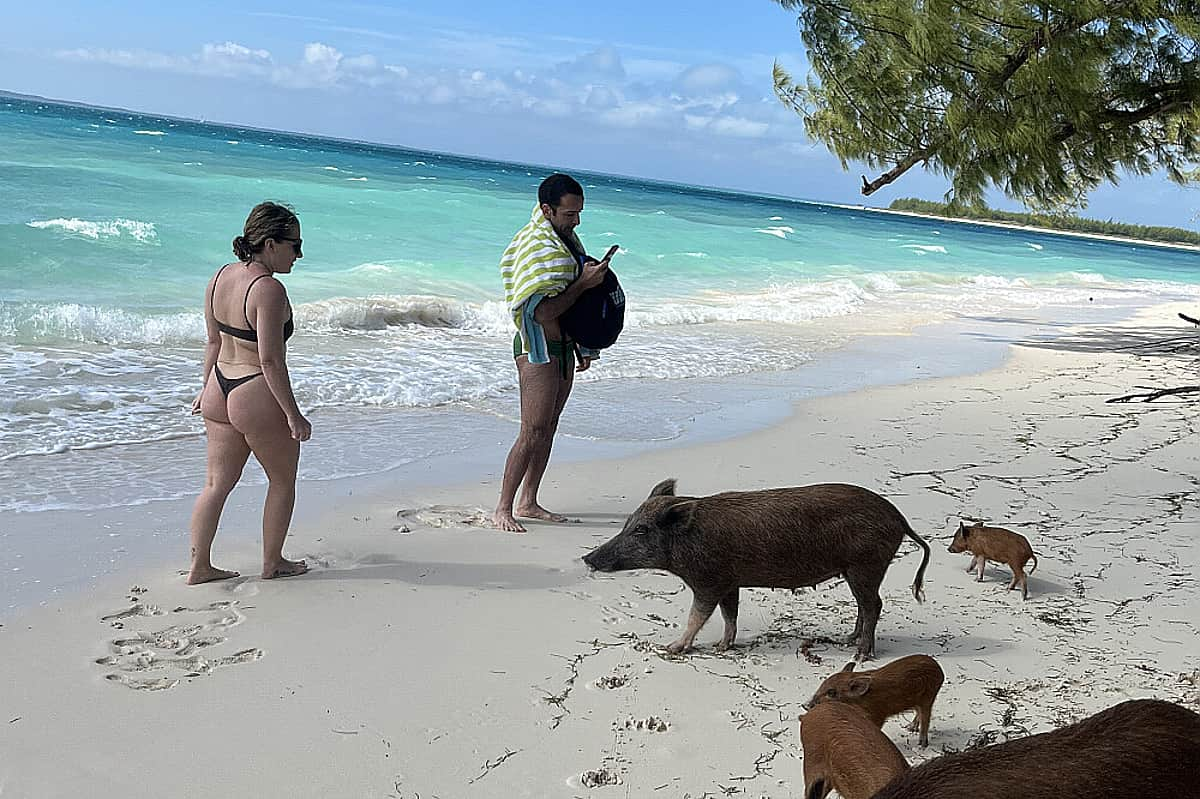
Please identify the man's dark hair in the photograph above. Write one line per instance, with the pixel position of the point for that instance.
(557, 186)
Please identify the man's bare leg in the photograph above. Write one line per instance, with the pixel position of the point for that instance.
(539, 398)
(528, 505)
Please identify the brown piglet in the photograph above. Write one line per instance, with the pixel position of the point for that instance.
(845, 752)
(999, 546)
(1145, 748)
(909, 683)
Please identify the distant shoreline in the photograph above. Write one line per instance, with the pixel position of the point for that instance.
(1013, 226)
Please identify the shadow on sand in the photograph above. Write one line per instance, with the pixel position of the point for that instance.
(465, 575)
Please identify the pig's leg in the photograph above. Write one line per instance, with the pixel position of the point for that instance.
(974, 563)
(702, 608)
(1013, 583)
(865, 588)
(982, 564)
(729, 610)
(921, 722)
(814, 774)
(856, 636)
(1024, 584)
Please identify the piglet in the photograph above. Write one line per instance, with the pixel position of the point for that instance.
(845, 751)
(998, 545)
(909, 683)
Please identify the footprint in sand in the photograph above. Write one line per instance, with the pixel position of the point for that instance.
(595, 778)
(136, 610)
(612, 681)
(442, 516)
(648, 724)
(611, 615)
(158, 659)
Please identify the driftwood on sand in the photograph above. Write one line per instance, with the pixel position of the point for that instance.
(1172, 346)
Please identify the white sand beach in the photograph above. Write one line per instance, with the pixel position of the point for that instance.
(428, 656)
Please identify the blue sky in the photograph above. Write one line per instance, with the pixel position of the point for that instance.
(670, 90)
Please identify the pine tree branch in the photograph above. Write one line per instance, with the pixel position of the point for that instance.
(1127, 118)
(869, 187)
(1040, 40)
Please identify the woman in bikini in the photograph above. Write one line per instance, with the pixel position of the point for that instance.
(247, 400)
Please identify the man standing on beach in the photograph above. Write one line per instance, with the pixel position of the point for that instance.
(545, 270)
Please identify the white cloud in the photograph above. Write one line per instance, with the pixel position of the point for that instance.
(707, 99)
(738, 126)
(441, 95)
(601, 98)
(134, 59)
(232, 51)
(600, 65)
(705, 79)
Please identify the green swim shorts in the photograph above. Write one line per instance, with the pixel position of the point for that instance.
(563, 350)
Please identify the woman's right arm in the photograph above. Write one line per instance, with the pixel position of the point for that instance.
(268, 299)
(212, 344)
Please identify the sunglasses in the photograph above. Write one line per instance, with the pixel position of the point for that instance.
(294, 242)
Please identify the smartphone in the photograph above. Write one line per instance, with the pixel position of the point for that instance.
(611, 252)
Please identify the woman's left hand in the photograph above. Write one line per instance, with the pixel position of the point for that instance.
(196, 404)
(584, 364)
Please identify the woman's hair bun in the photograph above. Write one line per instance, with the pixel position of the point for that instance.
(241, 248)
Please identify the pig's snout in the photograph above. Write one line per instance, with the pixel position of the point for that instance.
(598, 560)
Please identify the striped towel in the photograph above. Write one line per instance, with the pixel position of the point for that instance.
(536, 262)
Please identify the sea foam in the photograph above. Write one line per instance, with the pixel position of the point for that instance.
(104, 229)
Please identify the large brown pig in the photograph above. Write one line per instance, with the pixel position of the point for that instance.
(845, 751)
(1145, 748)
(776, 538)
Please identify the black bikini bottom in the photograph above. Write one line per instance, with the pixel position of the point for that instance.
(227, 385)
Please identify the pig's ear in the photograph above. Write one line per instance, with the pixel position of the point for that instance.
(664, 489)
(677, 517)
(849, 666)
(858, 686)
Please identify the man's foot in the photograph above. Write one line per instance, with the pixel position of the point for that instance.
(505, 521)
(208, 574)
(285, 568)
(538, 512)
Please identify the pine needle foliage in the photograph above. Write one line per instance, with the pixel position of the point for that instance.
(1040, 101)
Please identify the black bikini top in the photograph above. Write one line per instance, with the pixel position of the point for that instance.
(247, 333)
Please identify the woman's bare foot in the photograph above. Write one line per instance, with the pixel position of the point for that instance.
(502, 520)
(285, 568)
(208, 574)
(538, 512)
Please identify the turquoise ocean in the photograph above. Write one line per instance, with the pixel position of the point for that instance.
(111, 223)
